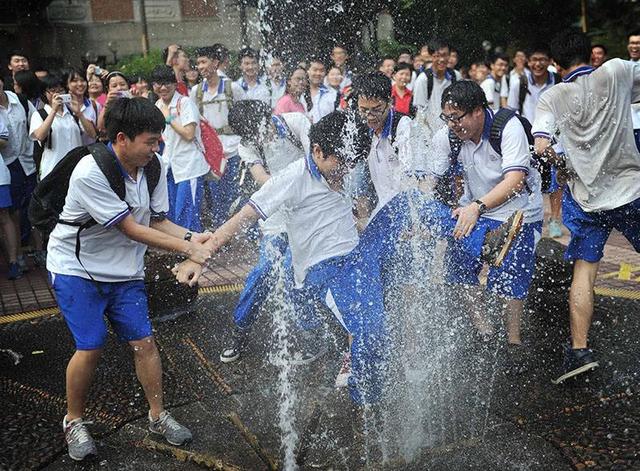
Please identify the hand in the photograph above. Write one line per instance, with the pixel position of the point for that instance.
(56, 103)
(467, 219)
(113, 95)
(550, 155)
(91, 71)
(171, 52)
(187, 272)
(75, 106)
(201, 238)
(197, 252)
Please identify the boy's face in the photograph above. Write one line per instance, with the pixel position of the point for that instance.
(331, 167)
(499, 68)
(165, 90)
(249, 67)
(404, 57)
(316, 73)
(140, 150)
(597, 56)
(538, 64)
(374, 111)
(207, 66)
(465, 125)
(440, 59)
(634, 47)
(18, 63)
(339, 56)
(387, 67)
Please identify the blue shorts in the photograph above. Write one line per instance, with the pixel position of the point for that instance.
(590, 231)
(185, 200)
(84, 303)
(511, 279)
(5, 196)
(553, 185)
(22, 185)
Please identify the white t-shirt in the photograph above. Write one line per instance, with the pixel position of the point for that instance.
(531, 98)
(89, 112)
(279, 153)
(5, 175)
(484, 169)
(591, 115)
(185, 158)
(493, 90)
(429, 110)
(243, 91)
(320, 222)
(323, 103)
(277, 89)
(215, 110)
(65, 136)
(105, 251)
(20, 146)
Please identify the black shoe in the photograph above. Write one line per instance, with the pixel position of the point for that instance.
(576, 362)
(498, 241)
(238, 344)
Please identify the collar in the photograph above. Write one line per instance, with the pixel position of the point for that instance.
(12, 98)
(205, 85)
(584, 70)
(122, 170)
(550, 78)
(407, 92)
(245, 85)
(312, 167)
(447, 74)
(277, 122)
(488, 122)
(386, 130)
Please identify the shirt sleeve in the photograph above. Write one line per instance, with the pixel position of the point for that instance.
(544, 125)
(487, 87)
(36, 122)
(504, 87)
(514, 93)
(277, 191)
(420, 91)
(249, 154)
(160, 198)
(188, 112)
(4, 130)
(299, 125)
(438, 154)
(515, 148)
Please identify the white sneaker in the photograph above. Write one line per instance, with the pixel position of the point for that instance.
(78, 438)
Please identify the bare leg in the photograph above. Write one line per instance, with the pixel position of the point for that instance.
(555, 201)
(9, 232)
(513, 320)
(80, 371)
(581, 301)
(474, 303)
(149, 372)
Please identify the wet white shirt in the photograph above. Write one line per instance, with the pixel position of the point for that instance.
(279, 153)
(591, 115)
(105, 251)
(216, 112)
(320, 222)
(20, 145)
(258, 91)
(323, 103)
(494, 90)
(185, 158)
(531, 98)
(65, 136)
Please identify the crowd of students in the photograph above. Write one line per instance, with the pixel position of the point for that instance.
(328, 160)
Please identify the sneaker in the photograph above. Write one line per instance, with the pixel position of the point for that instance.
(14, 271)
(555, 230)
(498, 241)
(517, 358)
(576, 361)
(170, 429)
(306, 349)
(342, 380)
(79, 441)
(238, 344)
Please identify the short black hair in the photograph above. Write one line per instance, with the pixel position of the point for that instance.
(343, 134)
(222, 51)
(538, 48)
(373, 85)
(209, 51)
(633, 33)
(115, 73)
(435, 44)
(499, 56)
(465, 95)
(132, 116)
(70, 73)
(402, 66)
(16, 52)
(601, 46)
(385, 58)
(29, 83)
(247, 52)
(571, 48)
(49, 82)
(163, 74)
(246, 117)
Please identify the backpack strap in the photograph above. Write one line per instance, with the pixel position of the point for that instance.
(152, 171)
(452, 73)
(524, 90)
(500, 120)
(281, 125)
(43, 114)
(24, 101)
(429, 74)
(109, 167)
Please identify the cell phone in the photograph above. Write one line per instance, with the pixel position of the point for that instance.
(97, 70)
(65, 97)
(124, 94)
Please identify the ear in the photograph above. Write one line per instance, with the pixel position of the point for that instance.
(121, 138)
(317, 152)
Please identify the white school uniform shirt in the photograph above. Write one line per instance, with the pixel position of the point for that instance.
(185, 158)
(107, 254)
(323, 103)
(531, 98)
(493, 90)
(591, 114)
(484, 169)
(89, 112)
(5, 175)
(320, 222)
(20, 145)
(243, 91)
(421, 90)
(277, 90)
(216, 111)
(65, 136)
(276, 156)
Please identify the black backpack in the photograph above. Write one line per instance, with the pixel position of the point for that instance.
(48, 198)
(429, 74)
(524, 88)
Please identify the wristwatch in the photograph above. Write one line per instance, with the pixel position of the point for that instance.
(482, 208)
(188, 236)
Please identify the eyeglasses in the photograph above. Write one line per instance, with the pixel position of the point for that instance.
(377, 111)
(453, 118)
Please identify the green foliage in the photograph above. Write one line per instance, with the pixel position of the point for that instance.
(138, 65)
(392, 48)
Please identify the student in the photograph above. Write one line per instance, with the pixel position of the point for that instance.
(402, 96)
(296, 96)
(340, 59)
(107, 277)
(323, 99)
(404, 55)
(496, 183)
(524, 96)
(186, 166)
(17, 62)
(602, 163)
(331, 263)
(598, 55)
(176, 58)
(496, 83)
(633, 46)
(250, 86)
(519, 66)
(269, 144)
(275, 81)
(453, 59)
(16, 113)
(88, 111)
(430, 84)
(386, 66)
(60, 130)
(117, 86)
(10, 232)
(214, 97)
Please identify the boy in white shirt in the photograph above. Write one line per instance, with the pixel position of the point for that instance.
(182, 152)
(250, 86)
(495, 84)
(323, 98)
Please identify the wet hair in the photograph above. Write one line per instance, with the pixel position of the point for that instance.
(222, 51)
(29, 83)
(374, 85)
(163, 74)
(499, 56)
(402, 66)
(538, 48)
(341, 134)
(435, 44)
(571, 48)
(115, 73)
(247, 52)
(132, 116)
(49, 82)
(246, 117)
(601, 46)
(209, 51)
(465, 95)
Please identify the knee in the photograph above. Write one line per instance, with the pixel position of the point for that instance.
(144, 348)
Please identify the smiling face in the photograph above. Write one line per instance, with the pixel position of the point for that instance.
(538, 64)
(440, 60)
(387, 67)
(77, 85)
(18, 63)
(598, 56)
(297, 83)
(249, 68)
(339, 56)
(165, 90)
(334, 77)
(138, 151)
(499, 68)
(118, 84)
(402, 77)
(95, 86)
(207, 67)
(634, 47)
(465, 125)
(331, 167)
(374, 111)
(316, 73)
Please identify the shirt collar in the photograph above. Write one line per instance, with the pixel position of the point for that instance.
(386, 130)
(584, 70)
(488, 121)
(122, 170)
(312, 167)
(205, 85)
(245, 85)
(447, 74)
(550, 78)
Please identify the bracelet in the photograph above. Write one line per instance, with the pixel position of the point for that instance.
(188, 236)
(168, 119)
